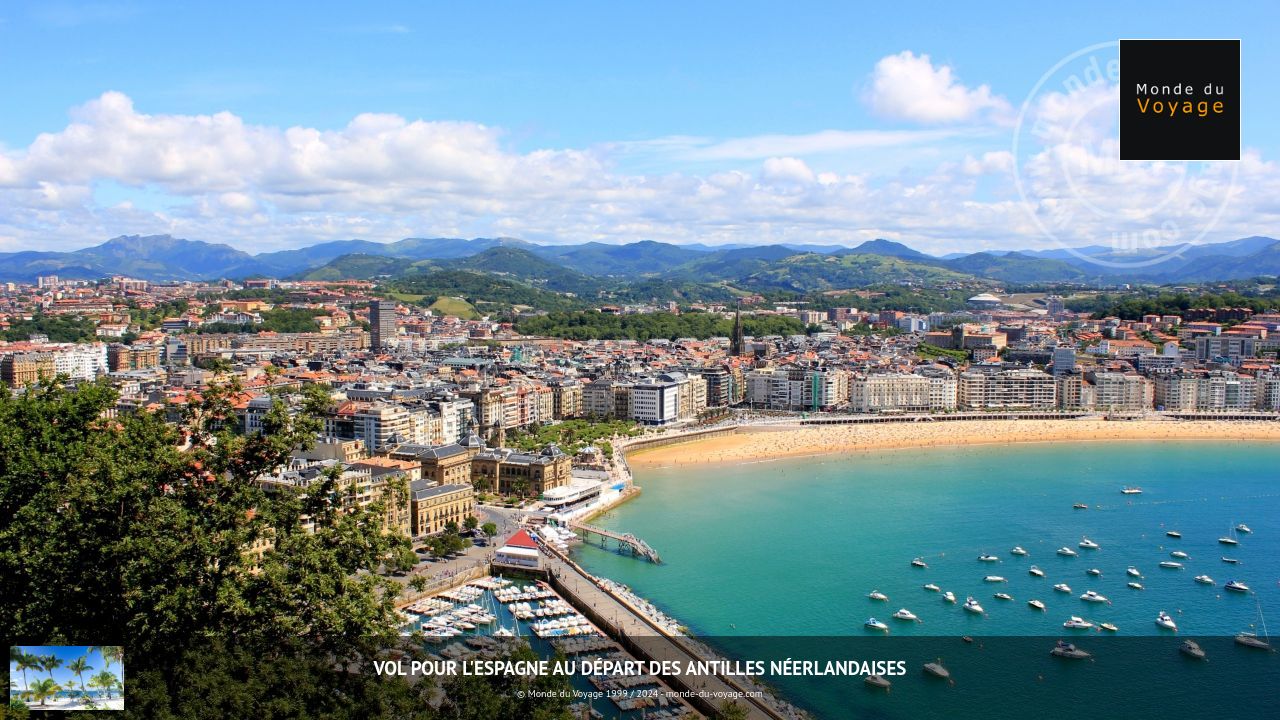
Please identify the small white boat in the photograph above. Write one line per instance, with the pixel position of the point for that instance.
(1243, 528)
(1228, 541)
(1133, 572)
(937, 670)
(949, 596)
(1036, 604)
(1088, 544)
(1166, 622)
(1173, 533)
(1236, 586)
(1003, 596)
(1077, 623)
(1127, 490)
(1080, 506)
(1062, 588)
(1179, 554)
(1018, 550)
(905, 614)
(1109, 627)
(1135, 586)
(877, 595)
(1192, 649)
(1171, 565)
(994, 579)
(1091, 596)
(919, 562)
(1094, 572)
(1065, 649)
(1204, 580)
(988, 558)
(972, 606)
(875, 624)
(931, 587)
(878, 681)
(1230, 561)
(1036, 571)
(1067, 552)
(1251, 640)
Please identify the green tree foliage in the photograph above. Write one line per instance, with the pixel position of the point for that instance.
(150, 318)
(281, 319)
(648, 326)
(894, 297)
(732, 710)
(135, 532)
(59, 328)
(1133, 307)
(926, 350)
(571, 435)
(480, 289)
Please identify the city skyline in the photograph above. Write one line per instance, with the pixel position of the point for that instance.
(426, 124)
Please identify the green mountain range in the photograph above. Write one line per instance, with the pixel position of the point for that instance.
(680, 271)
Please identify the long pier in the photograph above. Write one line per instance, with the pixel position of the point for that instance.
(638, 547)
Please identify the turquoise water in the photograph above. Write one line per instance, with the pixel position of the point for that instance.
(791, 548)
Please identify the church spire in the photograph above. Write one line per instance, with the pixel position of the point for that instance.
(736, 343)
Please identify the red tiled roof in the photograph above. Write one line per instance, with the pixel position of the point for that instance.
(523, 540)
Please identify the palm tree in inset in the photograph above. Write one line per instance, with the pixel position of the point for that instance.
(104, 680)
(44, 689)
(49, 663)
(25, 661)
(110, 654)
(80, 666)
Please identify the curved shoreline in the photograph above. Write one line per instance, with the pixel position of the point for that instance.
(751, 444)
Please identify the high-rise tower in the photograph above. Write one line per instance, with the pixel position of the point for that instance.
(382, 323)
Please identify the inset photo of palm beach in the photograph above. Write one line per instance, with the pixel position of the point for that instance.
(66, 677)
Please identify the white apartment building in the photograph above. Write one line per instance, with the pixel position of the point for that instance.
(1225, 390)
(1019, 389)
(81, 362)
(692, 394)
(1269, 392)
(378, 424)
(1120, 392)
(919, 392)
(656, 401)
(1174, 391)
(607, 398)
(1218, 390)
(797, 388)
(889, 392)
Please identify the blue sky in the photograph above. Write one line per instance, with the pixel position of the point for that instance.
(623, 111)
(61, 675)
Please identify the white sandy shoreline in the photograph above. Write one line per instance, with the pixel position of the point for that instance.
(70, 704)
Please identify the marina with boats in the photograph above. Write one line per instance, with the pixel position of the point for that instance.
(489, 616)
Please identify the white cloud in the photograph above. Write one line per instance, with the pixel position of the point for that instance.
(907, 86)
(786, 171)
(383, 177)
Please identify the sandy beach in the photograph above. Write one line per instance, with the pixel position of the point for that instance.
(757, 443)
(70, 704)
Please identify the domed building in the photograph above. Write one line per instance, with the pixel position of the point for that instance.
(985, 301)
